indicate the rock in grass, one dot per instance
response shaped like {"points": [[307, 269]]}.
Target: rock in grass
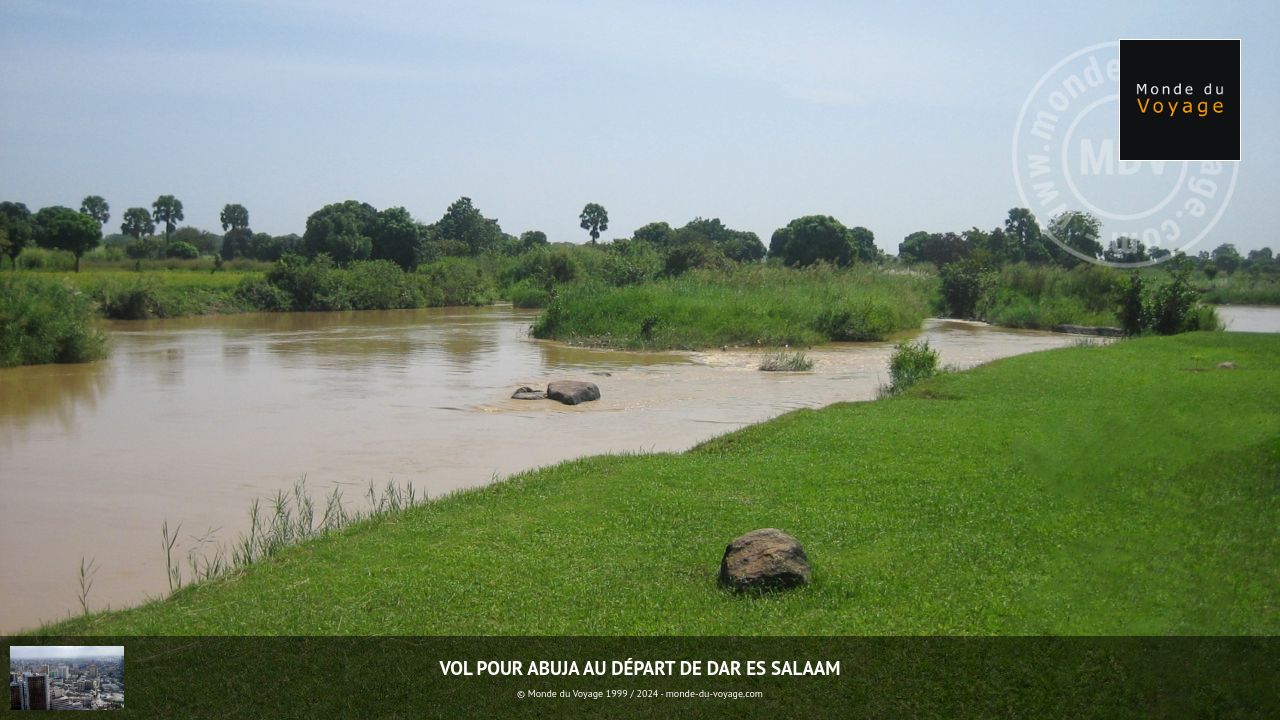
{"points": [[572, 392], [1228, 365], [528, 393], [766, 559]]}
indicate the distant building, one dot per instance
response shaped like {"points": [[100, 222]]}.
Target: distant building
{"points": [[38, 697], [15, 693]]}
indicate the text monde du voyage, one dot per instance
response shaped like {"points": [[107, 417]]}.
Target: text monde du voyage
{"points": [[637, 668], [1180, 99]]}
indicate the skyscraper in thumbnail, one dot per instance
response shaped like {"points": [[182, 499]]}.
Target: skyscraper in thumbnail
{"points": [[15, 692], [38, 693]]}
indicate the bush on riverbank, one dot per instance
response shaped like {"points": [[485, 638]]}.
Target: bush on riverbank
{"points": [[749, 305], [911, 362], [1042, 296], [43, 320]]}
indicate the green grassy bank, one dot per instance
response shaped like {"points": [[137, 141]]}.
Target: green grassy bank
{"points": [[751, 305], [1127, 489]]}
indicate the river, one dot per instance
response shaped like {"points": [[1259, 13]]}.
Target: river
{"points": [[190, 419]]}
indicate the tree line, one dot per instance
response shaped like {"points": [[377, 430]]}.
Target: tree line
{"points": [[352, 230]]}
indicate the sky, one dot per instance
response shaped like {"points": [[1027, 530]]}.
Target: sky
{"points": [[895, 116], [64, 652]]}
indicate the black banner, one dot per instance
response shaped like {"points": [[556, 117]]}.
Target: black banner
{"points": [[695, 677]]}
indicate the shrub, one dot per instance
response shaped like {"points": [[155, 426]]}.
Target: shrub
{"points": [[310, 284], [135, 298], [1172, 308], [1133, 316], [147, 248], [963, 284], [911, 363], [255, 293], [381, 284], [179, 249], [456, 281], [46, 321], [529, 294], [867, 320]]}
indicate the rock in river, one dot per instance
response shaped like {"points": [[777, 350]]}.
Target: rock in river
{"points": [[766, 559], [528, 393], [572, 392]]}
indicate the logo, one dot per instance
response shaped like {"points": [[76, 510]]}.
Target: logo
{"points": [[1066, 158]]}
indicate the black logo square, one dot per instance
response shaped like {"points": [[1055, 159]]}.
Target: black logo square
{"points": [[1179, 100]]}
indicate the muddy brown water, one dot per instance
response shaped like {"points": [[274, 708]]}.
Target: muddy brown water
{"points": [[1250, 318], [190, 419]]}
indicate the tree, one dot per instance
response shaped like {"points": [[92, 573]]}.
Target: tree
{"points": [[396, 237], [963, 285], [65, 229], [692, 250], [864, 244], [16, 231], [464, 223], [1261, 255], [657, 234], [341, 231], [594, 219], [1078, 231], [137, 222], [97, 208], [1227, 258], [202, 240], [738, 245], [809, 239], [937, 248], [1023, 240], [1125, 249], [235, 223], [167, 209], [530, 239]]}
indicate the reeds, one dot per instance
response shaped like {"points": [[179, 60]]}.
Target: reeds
{"points": [[786, 361], [284, 520]]}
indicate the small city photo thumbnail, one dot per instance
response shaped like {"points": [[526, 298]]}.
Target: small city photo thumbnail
{"points": [[66, 677]]}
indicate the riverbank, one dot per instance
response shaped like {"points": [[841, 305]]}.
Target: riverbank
{"points": [[1134, 498]]}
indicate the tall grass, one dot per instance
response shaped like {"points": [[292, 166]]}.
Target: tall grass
{"points": [[786, 361], [749, 305], [1244, 289], [44, 320], [1043, 296], [283, 520]]}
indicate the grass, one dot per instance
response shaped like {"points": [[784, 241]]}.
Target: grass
{"points": [[131, 295], [1123, 489], [786, 361], [1242, 289], [750, 305], [46, 321]]}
